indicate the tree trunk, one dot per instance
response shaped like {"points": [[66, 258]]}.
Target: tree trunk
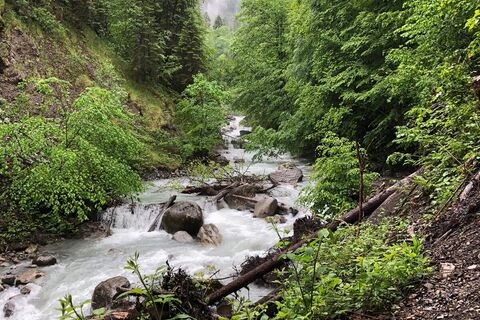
{"points": [[168, 204]]}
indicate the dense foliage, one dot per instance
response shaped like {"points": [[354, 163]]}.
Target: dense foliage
{"points": [[200, 117], [161, 41], [260, 50], [76, 141], [367, 71], [65, 160], [353, 269], [335, 183]]}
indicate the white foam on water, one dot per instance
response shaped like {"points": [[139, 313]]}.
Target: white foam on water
{"points": [[82, 264]]}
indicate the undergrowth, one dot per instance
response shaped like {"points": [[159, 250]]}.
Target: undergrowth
{"points": [[355, 269]]}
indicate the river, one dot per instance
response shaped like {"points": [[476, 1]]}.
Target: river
{"points": [[82, 264]]}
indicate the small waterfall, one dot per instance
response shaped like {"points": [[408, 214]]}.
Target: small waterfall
{"points": [[132, 216], [82, 264]]}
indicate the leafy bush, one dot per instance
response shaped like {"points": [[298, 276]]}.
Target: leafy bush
{"points": [[47, 21], [335, 181], [65, 161], [353, 269], [200, 117]]}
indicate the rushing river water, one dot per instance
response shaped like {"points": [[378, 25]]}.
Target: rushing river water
{"points": [[82, 264]]}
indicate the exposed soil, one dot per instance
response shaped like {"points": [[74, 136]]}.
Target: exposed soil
{"points": [[453, 245], [453, 242]]}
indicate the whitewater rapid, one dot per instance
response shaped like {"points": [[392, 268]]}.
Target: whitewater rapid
{"points": [[82, 264]]}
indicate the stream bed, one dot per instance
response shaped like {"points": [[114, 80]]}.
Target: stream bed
{"points": [[82, 264]]}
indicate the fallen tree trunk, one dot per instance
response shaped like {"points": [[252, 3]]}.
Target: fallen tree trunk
{"points": [[209, 190], [350, 217], [168, 204], [224, 192]]}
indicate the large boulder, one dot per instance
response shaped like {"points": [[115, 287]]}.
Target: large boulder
{"points": [[183, 237], [287, 173], [183, 216], [45, 260], [221, 160], [28, 276], [266, 207], [210, 235], [8, 279], [245, 191], [105, 292]]}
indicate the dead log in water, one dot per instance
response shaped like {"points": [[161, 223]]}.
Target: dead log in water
{"points": [[273, 263], [168, 204]]}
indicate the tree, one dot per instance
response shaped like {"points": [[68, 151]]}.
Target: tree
{"points": [[200, 117], [162, 40], [65, 164], [260, 52], [218, 22]]}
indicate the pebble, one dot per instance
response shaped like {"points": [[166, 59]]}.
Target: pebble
{"points": [[428, 285], [447, 269], [32, 249], [473, 267]]}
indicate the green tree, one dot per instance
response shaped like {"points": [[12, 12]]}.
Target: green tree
{"points": [[200, 117], [335, 181], [260, 52], [66, 165], [218, 22], [436, 68]]}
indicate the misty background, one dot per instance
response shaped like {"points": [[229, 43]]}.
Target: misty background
{"points": [[226, 9]]}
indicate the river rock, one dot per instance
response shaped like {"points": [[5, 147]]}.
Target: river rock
{"points": [[183, 216], [8, 279], [9, 308], [265, 207], [246, 190], [244, 132], [221, 160], [287, 173], [105, 292], [32, 249], [45, 260], [183, 237], [238, 160], [210, 235], [2, 288], [29, 276], [277, 219], [25, 290]]}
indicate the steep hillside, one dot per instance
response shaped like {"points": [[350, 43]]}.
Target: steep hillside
{"points": [[94, 96]]}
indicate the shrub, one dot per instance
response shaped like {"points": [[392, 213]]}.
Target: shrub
{"points": [[353, 269], [68, 164], [200, 117], [335, 180]]}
